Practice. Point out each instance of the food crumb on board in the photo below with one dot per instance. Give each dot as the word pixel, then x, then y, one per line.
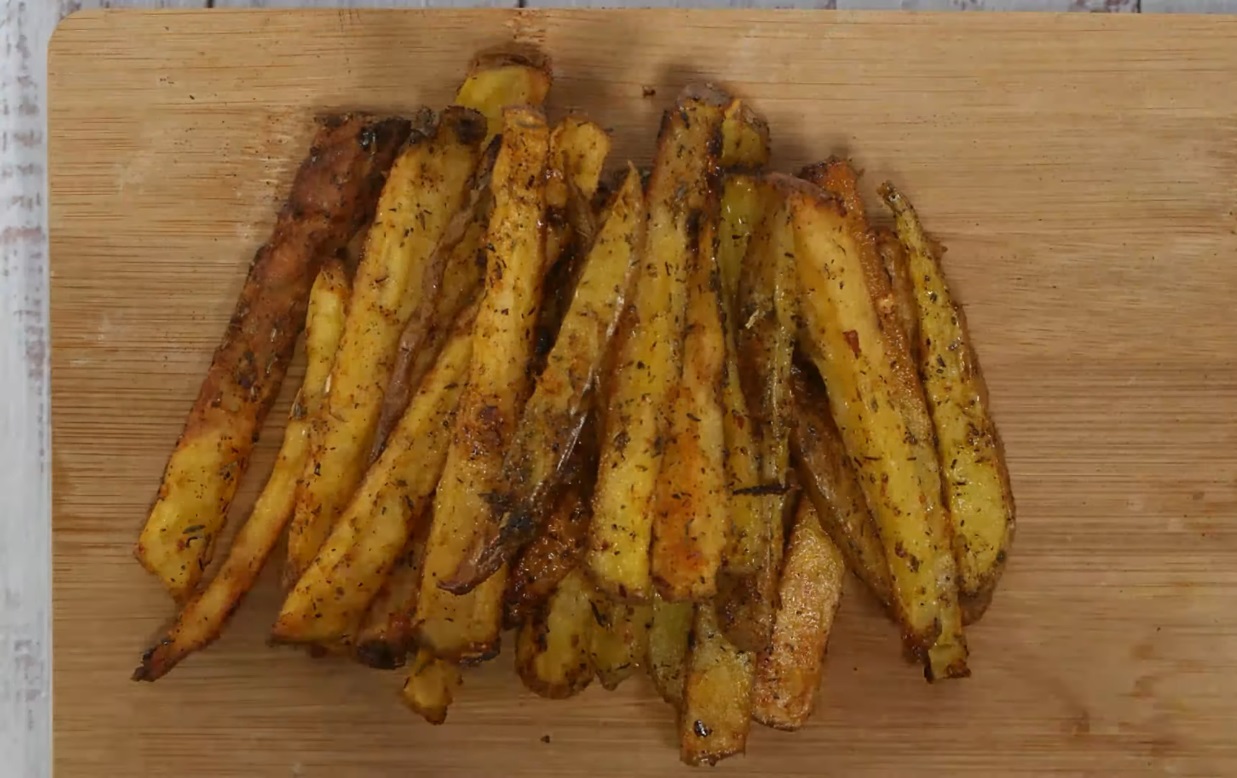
pixel 649 91
pixel 545 738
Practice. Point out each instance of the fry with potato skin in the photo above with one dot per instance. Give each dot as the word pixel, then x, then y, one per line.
pixel 332 196
pixel 717 698
pixel 578 151
pixel 429 687
pixel 385 636
pixel 977 489
pixel 205 616
pixel 557 549
pixel 647 366
pixel 330 599
pixel 788 674
pixel 553 417
pixel 467 626
pixel 552 653
pixel 893 257
pixel 426 188
pixel 851 355
pixel 508 74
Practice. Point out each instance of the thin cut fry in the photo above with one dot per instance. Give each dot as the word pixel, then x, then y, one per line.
pixel 717 707
pixel 458 626
pixel 552 648
pixel 203 619
pixel 430 685
pixel 977 488
pixel 332 196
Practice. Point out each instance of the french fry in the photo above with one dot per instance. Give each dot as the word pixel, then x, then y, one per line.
pixel 851 354
pixel 578 151
pixel 205 616
pixel 620 639
pixel 385 636
pixel 977 489
pixel 554 552
pixel 552 649
pixel 893 257
pixel 467 626
pixel 330 599
pixel 426 188
pixel 745 137
pixel 429 687
pixel 509 74
pixel 669 646
pixel 717 700
pixel 556 412
pixel 830 483
pixel 648 364
pixel 788 674
pixel 332 196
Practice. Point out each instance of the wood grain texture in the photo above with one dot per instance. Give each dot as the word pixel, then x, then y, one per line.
pixel 1089 213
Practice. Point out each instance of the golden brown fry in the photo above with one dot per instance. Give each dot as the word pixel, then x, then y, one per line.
pixel 745 137
pixel 578 151
pixel 864 395
pixel 669 641
pixel 717 700
pixel 788 674
pixel 510 74
pixel 466 626
pixel 830 483
pixel 893 257
pixel 203 619
pixel 332 196
pixel 385 636
pixel 552 419
pixel 554 552
pixel 330 599
pixel 980 500
pixel 620 639
pixel 426 188
pixel 648 364
pixel 430 686
pixel 552 647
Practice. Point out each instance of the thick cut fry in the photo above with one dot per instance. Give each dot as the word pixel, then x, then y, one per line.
pixel 788 674
pixel 830 483
pixel 333 195
pixel 691 517
pixel 717 701
pixel 467 626
pixel 385 636
pixel 620 639
pixel 578 151
pixel 981 503
pixel 851 355
pixel 554 552
pixel 203 619
pixel 669 641
pixel 510 74
pixel 426 188
pixel 329 601
pixel 893 257
pixel 648 364
pixel 554 415
pixel 552 649
pixel 430 687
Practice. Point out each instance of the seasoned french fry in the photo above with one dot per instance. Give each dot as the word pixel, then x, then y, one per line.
pixel 552 649
pixel 332 196
pixel 669 641
pixel 509 74
pixel 554 552
pixel 620 639
pixel 745 137
pixel 830 483
pixel 467 626
pixel 893 257
pixel 981 503
pixel 386 632
pixel 430 685
pixel 204 617
pixel 330 599
pixel 717 700
pixel 648 364
pixel 788 674
pixel 851 354
pixel 557 410
pixel 578 151
pixel 426 188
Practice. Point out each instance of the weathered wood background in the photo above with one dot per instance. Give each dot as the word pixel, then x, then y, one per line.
pixel 25 28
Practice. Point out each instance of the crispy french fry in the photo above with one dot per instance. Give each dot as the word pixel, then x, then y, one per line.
pixel 330 599
pixel 554 552
pixel 745 137
pixel 578 151
pixel 205 616
pixel 620 639
pixel 669 641
pixel 467 626
pixel 851 354
pixel 429 687
pixel 788 674
pixel 509 74
pixel 552 419
pixel 717 701
pixel 426 188
pixel 333 195
pixel 981 503
pixel 649 361
pixel 893 257
pixel 830 483
pixel 385 636
pixel 552 648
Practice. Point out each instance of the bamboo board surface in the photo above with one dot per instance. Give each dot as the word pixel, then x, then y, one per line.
pixel 1082 171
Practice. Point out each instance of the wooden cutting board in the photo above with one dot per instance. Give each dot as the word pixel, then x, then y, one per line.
pixel 1083 172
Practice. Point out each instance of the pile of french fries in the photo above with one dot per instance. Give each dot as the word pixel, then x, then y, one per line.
pixel 645 419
